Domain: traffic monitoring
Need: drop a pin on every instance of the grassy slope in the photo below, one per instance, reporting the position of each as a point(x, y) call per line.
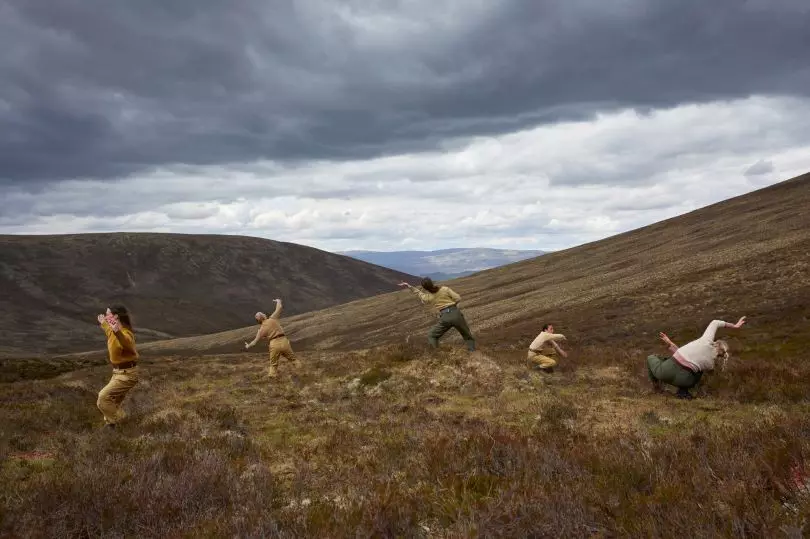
point(397, 441)
point(749, 255)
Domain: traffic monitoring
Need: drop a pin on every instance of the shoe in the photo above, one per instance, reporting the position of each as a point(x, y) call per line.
point(684, 394)
point(109, 426)
point(272, 373)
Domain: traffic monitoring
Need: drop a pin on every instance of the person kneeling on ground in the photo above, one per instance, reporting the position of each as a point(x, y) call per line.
point(539, 349)
point(117, 325)
point(445, 301)
point(685, 367)
point(279, 344)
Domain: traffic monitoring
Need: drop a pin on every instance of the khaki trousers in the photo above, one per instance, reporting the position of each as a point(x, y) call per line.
point(542, 361)
point(110, 398)
point(280, 346)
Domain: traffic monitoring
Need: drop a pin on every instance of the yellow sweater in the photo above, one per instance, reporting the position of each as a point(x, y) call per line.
point(121, 347)
point(444, 297)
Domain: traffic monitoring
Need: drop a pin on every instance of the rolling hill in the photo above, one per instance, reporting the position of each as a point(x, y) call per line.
point(175, 285)
point(397, 440)
point(747, 255)
point(444, 263)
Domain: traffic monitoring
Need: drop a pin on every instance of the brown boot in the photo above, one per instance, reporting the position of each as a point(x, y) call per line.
point(272, 372)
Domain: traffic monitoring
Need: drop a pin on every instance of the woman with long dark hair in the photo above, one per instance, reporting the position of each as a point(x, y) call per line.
point(445, 301)
point(117, 326)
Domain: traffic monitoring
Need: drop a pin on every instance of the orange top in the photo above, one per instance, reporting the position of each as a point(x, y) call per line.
point(121, 347)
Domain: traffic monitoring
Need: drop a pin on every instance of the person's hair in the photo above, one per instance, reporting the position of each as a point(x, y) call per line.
point(545, 326)
point(123, 315)
point(427, 284)
point(722, 352)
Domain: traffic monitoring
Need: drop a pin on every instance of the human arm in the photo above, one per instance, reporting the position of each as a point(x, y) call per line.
point(112, 326)
point(671, 345)
point(423, 297)
point(453, 295)
point(714, 325)
point(259, 334)
point(277, 313)
point(559, 350)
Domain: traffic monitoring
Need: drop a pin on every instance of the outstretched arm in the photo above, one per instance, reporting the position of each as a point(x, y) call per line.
point(714, 325)
point(423, 297)
point(259, 334)
point(277, 313)
point(671, 345)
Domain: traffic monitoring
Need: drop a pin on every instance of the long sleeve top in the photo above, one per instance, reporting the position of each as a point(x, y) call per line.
point(121, 347)
point(443, 297)
point(539, 344)
point(699, 355)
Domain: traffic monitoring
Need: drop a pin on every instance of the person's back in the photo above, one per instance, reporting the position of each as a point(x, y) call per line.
point(444, 301)
point(702, 352)
point(441, 299)
point(272, 328)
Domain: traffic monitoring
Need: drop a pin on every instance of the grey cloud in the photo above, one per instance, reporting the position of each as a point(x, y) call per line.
point(759, 168)
point(104, 90)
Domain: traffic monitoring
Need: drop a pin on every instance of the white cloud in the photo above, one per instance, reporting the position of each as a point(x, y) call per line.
point(549, 188)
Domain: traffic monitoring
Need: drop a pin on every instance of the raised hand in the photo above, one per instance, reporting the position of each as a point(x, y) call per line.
point(403, 284)
point(665, 338)
point(277, 300)
point(740, 323)
point(100, 318)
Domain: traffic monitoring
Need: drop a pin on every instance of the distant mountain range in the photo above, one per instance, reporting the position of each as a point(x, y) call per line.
point(445, 263)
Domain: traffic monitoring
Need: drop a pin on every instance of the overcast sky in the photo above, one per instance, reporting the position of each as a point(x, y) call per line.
point(407, 124)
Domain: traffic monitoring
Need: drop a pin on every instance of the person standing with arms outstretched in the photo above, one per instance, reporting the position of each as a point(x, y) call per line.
point(117, 326)
point(445, 301)
point(685, 367)
point(545, 345)
point(279, 344)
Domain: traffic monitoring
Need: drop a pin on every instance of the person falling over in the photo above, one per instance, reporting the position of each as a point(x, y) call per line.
point(545, 345)
point(279, 344)
point(445, 301)
point(685, 367)
point(117, 326)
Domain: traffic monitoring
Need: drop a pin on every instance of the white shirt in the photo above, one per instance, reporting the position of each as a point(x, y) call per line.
point(701, 352)
point(543, 338)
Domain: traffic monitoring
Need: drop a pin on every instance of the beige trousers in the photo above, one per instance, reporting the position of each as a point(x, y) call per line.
point(110, 398)
point(542, 361)
point(280, 347)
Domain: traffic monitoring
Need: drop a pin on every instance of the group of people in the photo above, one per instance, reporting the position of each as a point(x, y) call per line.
point(683, 368)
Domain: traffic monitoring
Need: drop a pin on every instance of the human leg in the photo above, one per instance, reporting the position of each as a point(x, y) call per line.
point(438, 330)
point(456, 318)
point(112, 395)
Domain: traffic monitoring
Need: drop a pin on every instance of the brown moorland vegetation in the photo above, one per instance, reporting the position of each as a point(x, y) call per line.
point(378, 436)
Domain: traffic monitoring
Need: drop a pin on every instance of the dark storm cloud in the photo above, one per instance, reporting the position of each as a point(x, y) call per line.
point(106, 89)
point(759, 168)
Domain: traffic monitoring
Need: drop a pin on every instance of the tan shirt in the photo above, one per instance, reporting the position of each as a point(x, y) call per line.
point(271, 327)
point(444, 297)
point(541, 343)
point(121, 347)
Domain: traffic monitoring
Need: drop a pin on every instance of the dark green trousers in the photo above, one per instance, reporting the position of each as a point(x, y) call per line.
point(669, 371)
point(451, 318)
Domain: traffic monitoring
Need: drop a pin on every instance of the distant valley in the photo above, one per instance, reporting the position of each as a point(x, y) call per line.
point(445, 263)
